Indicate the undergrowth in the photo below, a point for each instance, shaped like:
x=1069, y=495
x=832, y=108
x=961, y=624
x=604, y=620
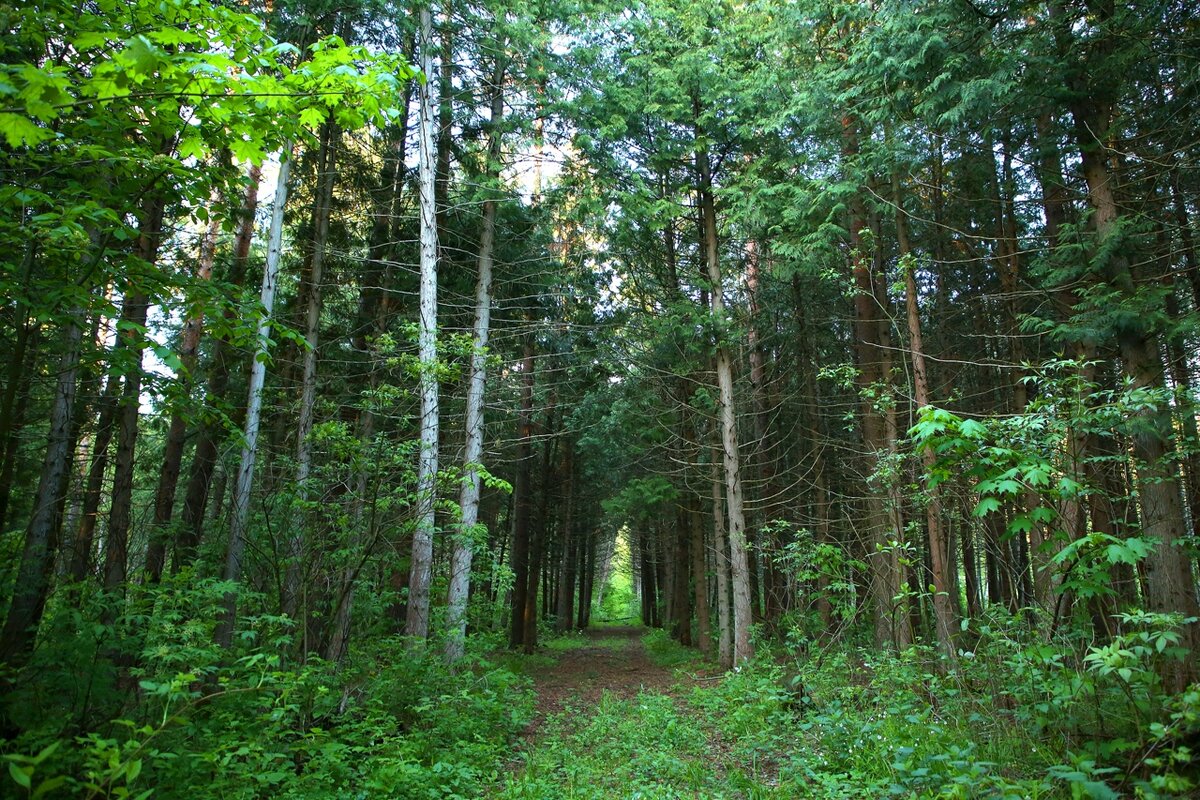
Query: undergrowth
x=196, y=721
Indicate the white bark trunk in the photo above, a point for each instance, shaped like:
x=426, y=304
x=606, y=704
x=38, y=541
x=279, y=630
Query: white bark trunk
x=417, y=621
x=464, y=545
x=258, y=374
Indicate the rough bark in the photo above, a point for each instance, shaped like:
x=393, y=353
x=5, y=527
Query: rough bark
x=32, y=581
x=739, y=560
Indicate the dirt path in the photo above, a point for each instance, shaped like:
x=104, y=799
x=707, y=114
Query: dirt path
x=613, y=660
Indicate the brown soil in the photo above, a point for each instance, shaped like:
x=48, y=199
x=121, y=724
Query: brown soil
x=614, y=661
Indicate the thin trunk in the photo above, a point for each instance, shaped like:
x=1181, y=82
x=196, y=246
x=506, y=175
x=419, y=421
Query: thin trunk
x=212, y=430
x=566, y=578
x=587, y=569
x=522, y=501
x=120, y=515
x=537, y=539
x=322, y=209
x=464, y=545
x=700, y=578
x=189, y=348
x=939, y=542
x=258, y=373
x=681, y=618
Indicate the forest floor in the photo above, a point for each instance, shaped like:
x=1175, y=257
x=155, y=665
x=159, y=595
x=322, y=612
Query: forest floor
x=626, y=713
x=617, y=717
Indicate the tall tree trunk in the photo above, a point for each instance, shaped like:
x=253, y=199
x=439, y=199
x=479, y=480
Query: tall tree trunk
x=16, y=387
x=721, y=543
x=739, y=561
x=890, y=624
x=681, y=607
x=212, y=429
x=189, y=349
x=1170, y=584
x=313, y=293
x=83, y=544
x=32, y=581
x=240, y=517
x=522, y=501
x=120, y=515
x=939, y=542
x=416, y=625
x=464, y=544
x=566, y=578
x=537, y=539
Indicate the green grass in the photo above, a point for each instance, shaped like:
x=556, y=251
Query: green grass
x=644, y=747
x=666, y=652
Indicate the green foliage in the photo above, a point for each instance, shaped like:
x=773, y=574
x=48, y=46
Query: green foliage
x=204, y=722
x=644, y=746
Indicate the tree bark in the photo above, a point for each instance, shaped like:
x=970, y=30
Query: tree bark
x=464, y=544
x=189, y=348
x=416, y=625
x=739, y=561
x=32, y=581
x=240, y=517
x=313, y=293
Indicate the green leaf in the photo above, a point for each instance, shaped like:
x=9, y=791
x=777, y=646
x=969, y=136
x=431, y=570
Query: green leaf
x=21, y=775
x=19, y=130
x=971, y=429
x=47, y=786
x=986, y=506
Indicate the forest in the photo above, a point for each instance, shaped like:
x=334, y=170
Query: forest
x=531, y=399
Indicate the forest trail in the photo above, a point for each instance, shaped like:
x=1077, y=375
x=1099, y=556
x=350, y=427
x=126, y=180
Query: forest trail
x=616, y=717
x=613, y=660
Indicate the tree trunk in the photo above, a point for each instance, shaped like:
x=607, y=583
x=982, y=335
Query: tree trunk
x=566, y=577
x=739, y=562
x=120, y=515
x=416, y=625
x=212, y=430
x=720, y=542
x=939, y=542
x=700, y=577
x=16, y=388
x=258, y=372
x=465, y=542
x=189, y=348
x=522, y=501
x=1170, y=585
x=322, y=208
x=32, y=581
